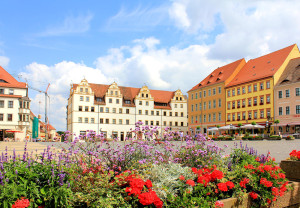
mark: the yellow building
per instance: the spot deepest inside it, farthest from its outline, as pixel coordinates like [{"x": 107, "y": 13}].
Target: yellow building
[
  {"x": 249, "y": 96},
  {"x": 206, "y": 104}
]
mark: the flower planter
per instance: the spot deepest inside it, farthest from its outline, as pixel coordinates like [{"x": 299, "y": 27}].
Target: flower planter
[
  {"x": 290, "y": 199},
  {"x": 291, "y": 169}
]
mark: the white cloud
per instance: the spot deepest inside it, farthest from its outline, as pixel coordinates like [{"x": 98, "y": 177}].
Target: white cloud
[
  {"x": 71, "y": 25},
  {"x": 4, "y": 61},
  {"x": 240, "y": 28}
]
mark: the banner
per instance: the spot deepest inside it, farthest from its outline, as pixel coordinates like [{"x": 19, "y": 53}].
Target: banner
[{"x": 35, "y": 127}]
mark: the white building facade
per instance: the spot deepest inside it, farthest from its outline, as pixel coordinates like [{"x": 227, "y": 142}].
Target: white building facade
[
  {"x": 113, "y": 110},
  {"x": 14, "y": 107}
]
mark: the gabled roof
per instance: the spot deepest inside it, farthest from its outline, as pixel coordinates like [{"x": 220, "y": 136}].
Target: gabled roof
[
  {"x": 291, "y": 73},
  {"x": 6, "y": 80},
  {"x": 261, "y": 67},
  {"x": 219, "y": 75},
  {"x": 129, "y": 93}
]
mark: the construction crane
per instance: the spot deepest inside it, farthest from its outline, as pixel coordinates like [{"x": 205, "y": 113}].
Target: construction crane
[{"x": 46, "y": 107}]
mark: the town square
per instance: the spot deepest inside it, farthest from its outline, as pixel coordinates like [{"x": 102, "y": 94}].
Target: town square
[{"x": 177, "y": 103}]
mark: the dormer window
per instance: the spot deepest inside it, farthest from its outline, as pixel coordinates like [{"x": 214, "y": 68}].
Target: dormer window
[
  {"x": 81, "y": 89},
  {"x": 3, "y": 81},
  {"x": 127, "y": 102},
  {"x": 116, "y": 92},
  {"x": 142, "y": 94},
  {"x": 220, "y": 73},
  {"x": 211, "y": 75},
  {"x": 86, "y": 90},
  {"x": 218, "y": 79},
  {"x": 208, "y": 82},
  {"x": 146, "y": 95},
  {"x": 112, "y": 92},
  {"x": 200, "y": 85}
]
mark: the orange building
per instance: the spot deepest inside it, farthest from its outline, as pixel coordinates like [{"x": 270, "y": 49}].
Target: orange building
[
  {"x": 249, "y": 96},
  {"x": 206, "y": 102}
]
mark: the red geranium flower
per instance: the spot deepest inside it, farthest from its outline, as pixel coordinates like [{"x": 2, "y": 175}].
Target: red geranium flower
[
  {"x": 148, "y": 183},
  {"x": 222, "y": 186},
  {"x": 181, "y": 178},
  {"x": 230, "y": 184},
  {"x": 253, "y": 195},
  {"x": 190, "y": 182},
  {"x": 219, "y": 204},
  {"x": 21, "y": 203}
]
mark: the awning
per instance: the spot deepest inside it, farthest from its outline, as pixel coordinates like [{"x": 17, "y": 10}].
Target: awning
[{"x": 14, "y": 131}]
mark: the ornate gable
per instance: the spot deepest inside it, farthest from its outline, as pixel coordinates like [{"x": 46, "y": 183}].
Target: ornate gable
[
  {"x": 144, "y": 94},
  {"x": 178, "y": 97},
  {"x": 113, "y": 91}
]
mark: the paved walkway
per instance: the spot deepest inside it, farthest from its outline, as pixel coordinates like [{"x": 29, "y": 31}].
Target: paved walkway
[{"x": 279, "y": 149}]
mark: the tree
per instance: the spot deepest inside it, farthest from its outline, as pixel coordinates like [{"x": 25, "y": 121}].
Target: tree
[
  {"x": 239, "y": 125},
  {"x": 276, "y": 122},
  {"x": 253, "y": 124}
]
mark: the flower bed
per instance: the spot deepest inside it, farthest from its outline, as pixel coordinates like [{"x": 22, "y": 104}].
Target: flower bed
[
  {"x": 252, "y": 138},
  {"x": 274, "y": 137},
  {"x": 139, "y": 174}
]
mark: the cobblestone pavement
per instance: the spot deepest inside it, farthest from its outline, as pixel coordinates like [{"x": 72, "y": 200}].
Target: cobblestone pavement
[{"x": 279, "y": 149}]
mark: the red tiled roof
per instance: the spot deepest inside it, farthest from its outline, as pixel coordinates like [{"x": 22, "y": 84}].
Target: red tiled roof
[
  {"x": 220, "y": 74},
  {"x": 9, "y": 81},
  {"x": 261, "y": 67},
  {"x": 129, "y": 93}
]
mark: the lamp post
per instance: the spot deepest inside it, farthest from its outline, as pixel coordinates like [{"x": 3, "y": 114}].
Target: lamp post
[{"x": 267, "y": 126}]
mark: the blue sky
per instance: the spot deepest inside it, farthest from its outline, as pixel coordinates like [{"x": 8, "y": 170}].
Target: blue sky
[{"x": 166, "y": 44}]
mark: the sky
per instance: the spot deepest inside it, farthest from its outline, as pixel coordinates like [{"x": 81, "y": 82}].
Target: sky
[{"x": 167, "y": 45}]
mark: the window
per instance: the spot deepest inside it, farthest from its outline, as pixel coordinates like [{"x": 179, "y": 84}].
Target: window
[
  {"x": 249, "y": 115},
  {"x": 268, "y": 85},
  {"x": 220, "y": 103},
  {"x": 233, "y": 116},
  {"x": 114, "y": 121},
  {"x": 254, "y": 87},
  {"x": 280, "y": 111},
  {"x": 181, "y": 105},
  {"x": 238, "y": 104},
  {"x": 268, "y": 113},
  {"x": 261, "y": 86},
  {"x": 192, "y": 96},
  {"x": 200, "y": 106},
  {"x": 297, "y": 91},
  {"x": 151, "y": 122},
  {"x": 120, "y": 121},
  {"x": 101, "y": 109},
  {"x": 87, "y": 99},
  {"x": 255, "y": 101},
  {"x": 140, "y": 102},
  {"x": 243, "y": 103},
  {"x": 146, "y": 112},
  {"x": 287, "y": 110},
  {"x": 192, "y": 108},
  {"x": 111, "y": 92},
  {"x": 157, "y": 113},
  {"x": 233, "y": 104},
  {"x": 110, "y": 100},
  {"x": 86, "y": 108},
  {"x": 182, "y": 124},
  {"x": 233, "y": 92},
  {"x": 114, "y": 110},
  {"x": 157, "y": 123},
  {"x": 220, "y": 90},
  {"x": 146, "y": 123},
  {"x": 165, "y": 123},
  {"x": 297, "y": 109},
  {"x": 228, "y": 105},
  {"x": 92, "y": 120},
  {"x": 214, "y": 91},
  {"x": 243, "y": 90},
  {"x": 209, "y": 104},
  {"x": 81, "y": 89},
  {"x": 228, "y": 93},
  {"x": 268, "y": 99},
  {"x": 86, "y": 89},
  {"x": 249, "y": 101},
  {"x": 176, "y": 106},
  {"x": 1, "y": 116},
  {"x": 204, "y": 93},
  {"x": 152, "y": 113},
  {"x": 196, "y": 96},
  {"x": 117, "y": 101},
  {"x": 261, "y": 100},
  {"x": 127, "y": 102},
  {"x": 244, "y": 115},
  {"x": 79, "y": 120},
  {"x": 287, "y": 128},
  {"x": 107, "y": 110},
  {"x": 170, "y": 113},
  {"x": 220, "y": 116},
  {"x": 147, "y": 103},
  {"x": 181, "y": 114},
  {"x": 214, "y": 104},
  {"x": 107, "y": 121},
  {"x": 11, "y": 91},
  {"x": 116, "y": 92},
  {"x": 2, "y": 91},
  {"x": 140, "y": 112},
  {"x": 249, "y": 89},
  {"x": 127, "y": 121},
  {"x": 86, "y": 120},
  {"x": 200, "y": 94},
  {"x": 92, "y": 109},
  {"x": 209, "y": 92},
  {"x": 127, "y": 111},
  {"x": 1, "y": 103},
  {"x": 79, "y": 108},
  {"x": 176, "y": 114},
  {"x": 170, "y": 124},
  {"x": 101, "y": 120},
  {"x": 10, "y": 104},
  {"x": 204, "y": 106},
  {"x": 204, "y": 118},
  {"x": 255, "y": 114},
  {"x": 165, "y": 113},
  {"x": 209, "y": 117},
  {"x": 196, "y": 107},
  {"x": 214, "y": 117},
  {"x": 262, "y": 114},
  {"x": 287, "y": 93},
  {"x": 81, "y": 98},
  {"x": 279, "y": 94},
  {"x": 228, "y": 117}
]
